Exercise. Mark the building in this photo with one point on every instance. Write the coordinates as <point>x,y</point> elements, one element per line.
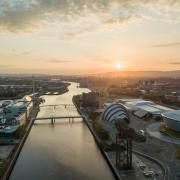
<point>115,111</point>
<point>145,83</point>
<point>15,114</point>
<point>173,97</point>
<point>142,108</point>
<point>172,120</point>
<point>90,99</point>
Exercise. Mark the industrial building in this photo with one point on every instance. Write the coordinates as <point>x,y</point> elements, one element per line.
<point>172,120</point>
<point>142,108</point>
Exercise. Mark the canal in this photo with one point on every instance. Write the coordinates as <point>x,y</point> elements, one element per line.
<point>61,151</point>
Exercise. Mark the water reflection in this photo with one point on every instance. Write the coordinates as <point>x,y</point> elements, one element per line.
<point>63,151</point>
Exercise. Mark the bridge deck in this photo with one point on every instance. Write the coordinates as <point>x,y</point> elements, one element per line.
<point>58,117</point>
<point>57,105</point>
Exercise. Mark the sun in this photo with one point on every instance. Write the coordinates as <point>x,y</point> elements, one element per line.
<point>118,66</point>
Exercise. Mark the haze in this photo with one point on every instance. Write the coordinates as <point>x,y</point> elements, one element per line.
<point>83,37</point>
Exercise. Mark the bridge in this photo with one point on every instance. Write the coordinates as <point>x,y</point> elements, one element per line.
<point>54,105</point>
<point>53,118</point>
<point>58,117</point>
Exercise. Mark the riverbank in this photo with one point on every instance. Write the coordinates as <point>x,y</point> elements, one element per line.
<point>136,172</point>
<point>55,90</point>
<point>15,144</point>
<point>98,141</point>
<point>67,150</point>
<point>10,160</point>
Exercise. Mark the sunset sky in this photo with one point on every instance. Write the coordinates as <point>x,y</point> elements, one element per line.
<point>89,36</point>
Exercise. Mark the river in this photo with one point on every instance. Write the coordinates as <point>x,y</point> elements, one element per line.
<point>61,151</point>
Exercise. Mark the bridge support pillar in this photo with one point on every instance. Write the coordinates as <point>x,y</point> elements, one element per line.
<point>52,121</point>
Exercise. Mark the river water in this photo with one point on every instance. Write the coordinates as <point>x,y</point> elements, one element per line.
<point>61,151</point>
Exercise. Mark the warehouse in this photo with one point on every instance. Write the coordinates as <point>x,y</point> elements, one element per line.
<point>172,120</point>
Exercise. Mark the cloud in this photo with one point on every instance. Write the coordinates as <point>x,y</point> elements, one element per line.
<point>174,44</point>
<point>76,16</point>
<point>26,52</point>
<point>107,61</point>
<point>175,63</point>
<point>5,66</point>
<point>58,61</point>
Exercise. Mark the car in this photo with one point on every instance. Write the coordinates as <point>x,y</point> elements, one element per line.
<point>142,166</point>
<point>142,132</point>
<point>156,173</point>
<point>148,173</point>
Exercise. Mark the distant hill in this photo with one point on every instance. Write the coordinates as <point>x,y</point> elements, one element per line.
<point>142,74</point>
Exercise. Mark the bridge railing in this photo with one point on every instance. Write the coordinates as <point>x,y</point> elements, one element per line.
<point>54,105</point>
<point>58,117</point>
<point>53,118</point>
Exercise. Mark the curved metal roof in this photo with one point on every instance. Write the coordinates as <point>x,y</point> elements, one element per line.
<point>115,111</point>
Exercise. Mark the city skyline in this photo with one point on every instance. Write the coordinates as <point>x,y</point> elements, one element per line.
<point>77,37</point>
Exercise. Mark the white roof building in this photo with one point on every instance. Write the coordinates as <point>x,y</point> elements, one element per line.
<point>172,120</point>
<point>145,106</point>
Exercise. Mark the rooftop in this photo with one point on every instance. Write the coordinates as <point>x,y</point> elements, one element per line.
<point>175,115</point>
<point>148,106</point>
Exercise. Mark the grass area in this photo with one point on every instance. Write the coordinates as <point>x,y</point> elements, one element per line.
<point>102,133</point>
<point>169,132</point>
<point>108,146</point>
<point>177,154</point>
<point>104,136</point>
<point>3,166</point>
<point>20,131</point>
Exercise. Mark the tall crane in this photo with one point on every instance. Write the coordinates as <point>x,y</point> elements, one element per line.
<point>124,139</point>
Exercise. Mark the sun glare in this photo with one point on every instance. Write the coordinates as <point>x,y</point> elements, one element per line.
<point>118,66</point>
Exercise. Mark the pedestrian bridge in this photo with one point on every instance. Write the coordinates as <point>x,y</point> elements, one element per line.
<point>57,117</point>
<point>55,105</point>
<point>54,118</point>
